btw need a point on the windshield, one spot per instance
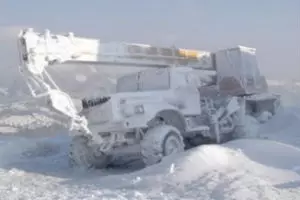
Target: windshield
(148, 80)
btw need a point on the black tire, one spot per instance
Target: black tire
(197, 141)
(154, 145)
(81, 155)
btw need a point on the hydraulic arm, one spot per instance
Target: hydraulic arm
(36, 53)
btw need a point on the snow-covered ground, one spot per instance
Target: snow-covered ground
(33, 162)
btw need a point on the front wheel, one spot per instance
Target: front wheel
(161, 141)
(82, 155)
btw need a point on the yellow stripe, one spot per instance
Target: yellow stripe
(188, 53)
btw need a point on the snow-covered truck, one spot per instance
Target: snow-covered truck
(185, 98)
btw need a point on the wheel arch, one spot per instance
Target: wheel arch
(171, 117)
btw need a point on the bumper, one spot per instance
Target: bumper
(120, 126)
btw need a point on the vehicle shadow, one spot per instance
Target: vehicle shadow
(49, 157)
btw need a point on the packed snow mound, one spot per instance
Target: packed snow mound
(217, 172)
(233, 171)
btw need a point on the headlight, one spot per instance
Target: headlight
(130, 110)
(139, 109)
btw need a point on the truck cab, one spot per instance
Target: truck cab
(179, 82)
(140, 96)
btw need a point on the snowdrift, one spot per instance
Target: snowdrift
(242, 169)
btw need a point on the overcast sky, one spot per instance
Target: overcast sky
(271, 26)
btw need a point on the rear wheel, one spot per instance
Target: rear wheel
(82, 155)
(233, 127)
(239, 129)
(161, 141)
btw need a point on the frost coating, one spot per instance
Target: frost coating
(241, 169)
(158, 140)
(83, 155)
(238, 71)
(202, 106)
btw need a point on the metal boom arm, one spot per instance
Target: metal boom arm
(36, 53)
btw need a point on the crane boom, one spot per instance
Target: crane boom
(68, 48)
(38, 51)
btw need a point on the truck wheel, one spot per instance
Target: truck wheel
(82, 155)
(161, 141)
